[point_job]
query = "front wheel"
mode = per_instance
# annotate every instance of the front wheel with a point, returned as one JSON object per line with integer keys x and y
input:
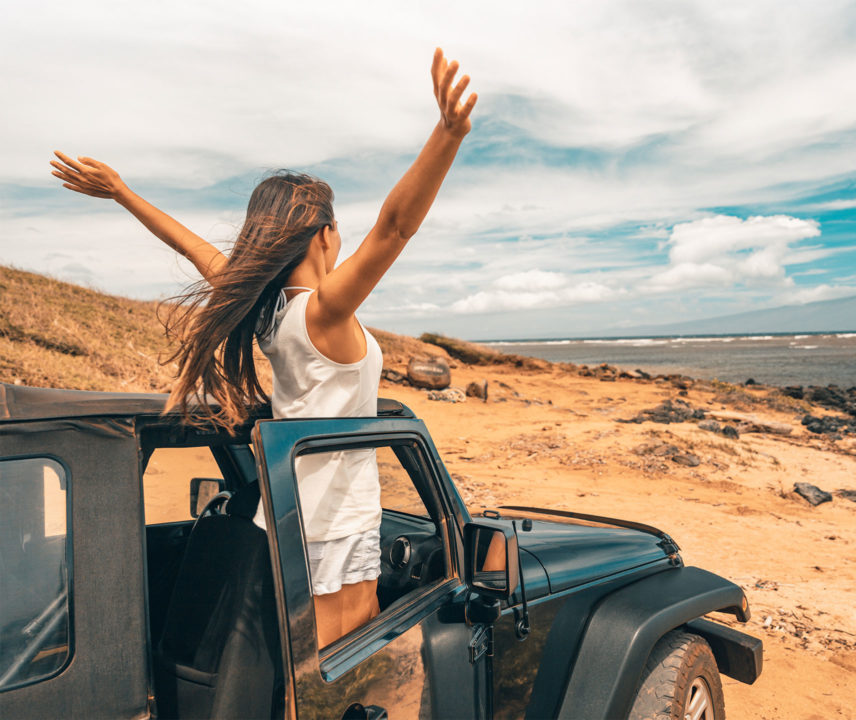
{"x": 680, "y": 681}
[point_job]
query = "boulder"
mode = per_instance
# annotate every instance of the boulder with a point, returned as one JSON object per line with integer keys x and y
{"x": 827, "y": 425}
{"x": 731, "y": 433}
{"x": 812, "y": 493}
{"x": 657, "y": 449}
{"x": 394, "y": 376}
{"x": 689, "y": 460}
{"x": 710, "y": 426}
{"x": 477, "y": 390}
{"x": 668, "y": 412}
{"x": 748, "y": 423}
{"x": 847, "y": 494}
{"x": 429, "y": 372}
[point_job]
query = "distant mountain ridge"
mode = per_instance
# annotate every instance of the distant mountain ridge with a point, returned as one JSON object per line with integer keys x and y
{"x": 823, "y": 316}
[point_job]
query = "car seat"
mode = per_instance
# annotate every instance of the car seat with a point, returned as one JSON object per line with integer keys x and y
{"x": 219, "y": 656}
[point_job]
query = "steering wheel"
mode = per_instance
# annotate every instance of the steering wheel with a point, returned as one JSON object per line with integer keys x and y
{"x": 214, "y": 506}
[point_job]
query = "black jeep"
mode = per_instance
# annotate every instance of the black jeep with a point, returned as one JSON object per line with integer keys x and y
{"x": 134, "y": 583}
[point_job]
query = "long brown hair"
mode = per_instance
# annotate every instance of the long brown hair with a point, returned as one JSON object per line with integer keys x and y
{"x": 215, "y": 324}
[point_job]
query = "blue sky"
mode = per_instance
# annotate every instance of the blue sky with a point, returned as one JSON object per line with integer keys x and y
{"x": 630, "y": 163}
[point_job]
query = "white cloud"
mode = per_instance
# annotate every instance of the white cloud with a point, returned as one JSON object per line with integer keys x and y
{"x": 714, "y": 237}
{"x": 817, "y": 293}
{"x": 833, "y": 205}
{"x": 684, "y": 276}
{"x": 531, "y": 280}
{"x": 504, "y": 300}
{"x": 724, "y": 251}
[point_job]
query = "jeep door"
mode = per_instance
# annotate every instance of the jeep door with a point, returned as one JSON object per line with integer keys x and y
{"x": 414, "y": 659}
{"x": 72, "y": 601}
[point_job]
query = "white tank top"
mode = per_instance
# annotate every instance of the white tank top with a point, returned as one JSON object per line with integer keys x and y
{"x": 339, "y": 492}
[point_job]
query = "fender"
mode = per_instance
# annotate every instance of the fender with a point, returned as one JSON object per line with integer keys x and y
{"x": 626, "y": 625}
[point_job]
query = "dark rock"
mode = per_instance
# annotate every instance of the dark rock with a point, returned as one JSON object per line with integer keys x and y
{"x": 710, "y": 426}
{"x": 812, "y": 493}
{"x": 698, "y": 414}
{"x": 833, "y": 397}
{"x": 689, "y": 460}
{"x": 730, "y": 432}
{"x": 642, "y": 374}
{"x": 668, "y": 412}
{"x": 394, "y": 376}
{"x": 750, "y": 381}
{"x": 432, "y": 373}
{"x": 477, "y": 390}
{"x": 657, "y": 450}
{"x": 832, "y": 426}
{"x": 794, "y": 391}
{"x": 847, "y": 494}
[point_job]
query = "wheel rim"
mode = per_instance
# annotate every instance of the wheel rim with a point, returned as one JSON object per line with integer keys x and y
{"x": 699, "y": 702}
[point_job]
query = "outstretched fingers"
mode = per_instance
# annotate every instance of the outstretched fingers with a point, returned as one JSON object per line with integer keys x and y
{"x": 64, "y": 173}
{"x": 446, "y": 82}
{"x": 437, "y": 69}
{"x": 68, "y": 161}
{"x": 468, "y": 106}
{"x": 455, "y": 95}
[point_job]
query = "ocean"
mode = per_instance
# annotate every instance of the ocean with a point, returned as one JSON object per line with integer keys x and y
{"x": 807, "y": 359}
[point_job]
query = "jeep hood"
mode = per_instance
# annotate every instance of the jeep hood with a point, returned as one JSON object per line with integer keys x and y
{"x": 573, "y": 552}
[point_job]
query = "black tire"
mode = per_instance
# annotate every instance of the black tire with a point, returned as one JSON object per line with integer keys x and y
{"x": 680, "y": 678}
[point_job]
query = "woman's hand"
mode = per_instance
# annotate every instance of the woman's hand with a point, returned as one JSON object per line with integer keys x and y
{"x": 88, "y": 176}
{"x": 455, "y": 117}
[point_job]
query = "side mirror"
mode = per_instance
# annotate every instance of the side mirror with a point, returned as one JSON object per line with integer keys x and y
{"x": 201, "y": 491}
{"x": 491, "y": 565}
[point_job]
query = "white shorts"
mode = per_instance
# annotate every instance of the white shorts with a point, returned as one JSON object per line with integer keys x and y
{"x": 344, "y": 561}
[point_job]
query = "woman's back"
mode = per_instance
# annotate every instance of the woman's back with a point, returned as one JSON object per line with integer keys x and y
{"x": 306, "y": 383}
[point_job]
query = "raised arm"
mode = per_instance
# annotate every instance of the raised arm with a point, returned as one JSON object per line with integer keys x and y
{"x": 344, "y": 289}
{"x": 90, "y": 177}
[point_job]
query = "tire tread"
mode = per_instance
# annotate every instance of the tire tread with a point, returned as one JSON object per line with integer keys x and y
{"x": 667, "y": 675}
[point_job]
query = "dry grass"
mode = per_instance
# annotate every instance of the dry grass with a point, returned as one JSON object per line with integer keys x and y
{"x": 475, "y": 354}
{"x": 398, "y": 349}
{"x": 54, "y": 334}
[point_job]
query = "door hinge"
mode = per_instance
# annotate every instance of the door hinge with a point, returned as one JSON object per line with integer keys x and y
{"x": 481, "y": 643}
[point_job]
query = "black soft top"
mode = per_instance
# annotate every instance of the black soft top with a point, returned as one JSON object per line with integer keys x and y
{"x": 20, "y": 402}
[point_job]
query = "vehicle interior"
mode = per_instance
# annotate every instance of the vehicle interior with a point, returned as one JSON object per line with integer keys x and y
{"x": 212, "y": 609}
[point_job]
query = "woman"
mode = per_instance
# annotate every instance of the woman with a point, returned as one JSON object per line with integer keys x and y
{"x": 281, "y": 285}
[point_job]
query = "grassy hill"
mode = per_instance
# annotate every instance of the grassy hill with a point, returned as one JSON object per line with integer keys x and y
{"x": 55, "y": 334}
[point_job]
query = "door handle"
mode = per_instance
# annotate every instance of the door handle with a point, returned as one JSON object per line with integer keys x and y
{"x": 365, "y": 712}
